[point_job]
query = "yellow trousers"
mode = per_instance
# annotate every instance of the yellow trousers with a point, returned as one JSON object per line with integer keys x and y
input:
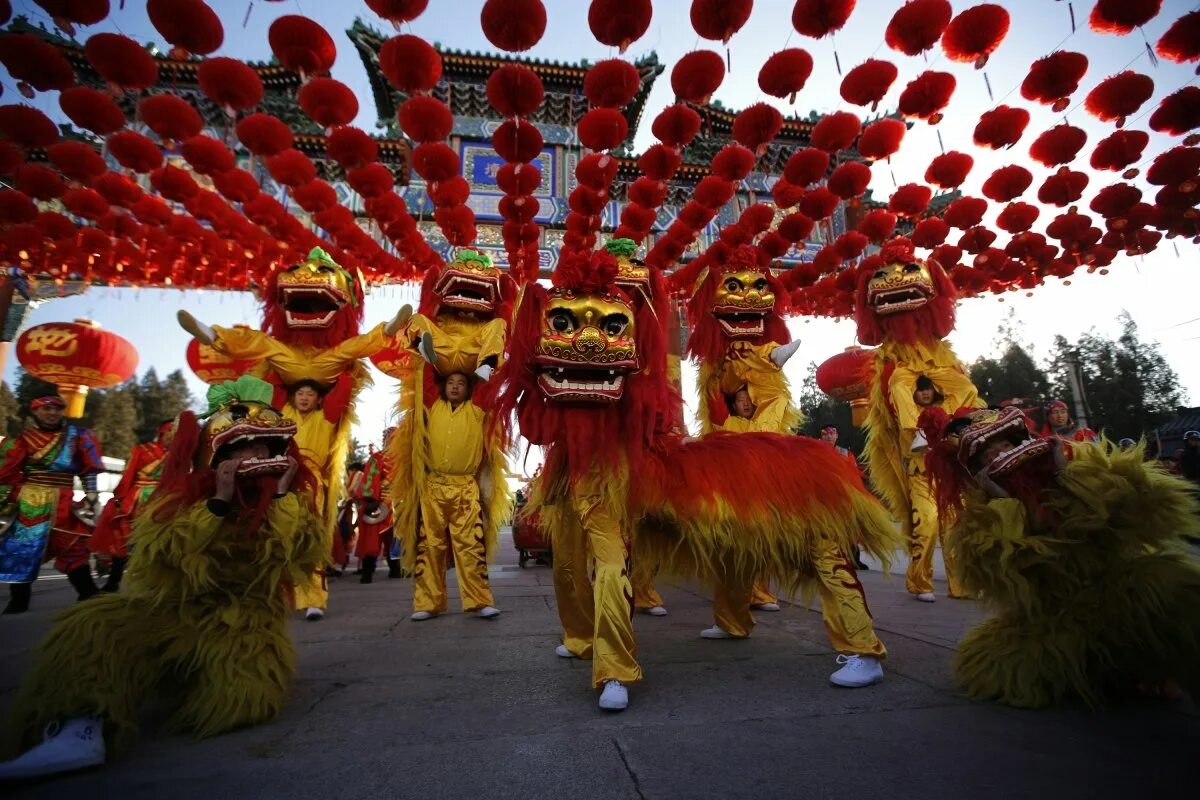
{"x": 451, "y": 520}
{"x": 460, "y": 342}
{"x": 645, "y": 595}
{"x": 597, "y": 612}
{"x": 314, "y": 592}
{"x": 731, "y": 605}
{"x": 843, "y": 605}
{"x": 926, "y": 533}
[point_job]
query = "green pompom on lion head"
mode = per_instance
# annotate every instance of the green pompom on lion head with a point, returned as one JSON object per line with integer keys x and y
{"x": 621, "y": 247}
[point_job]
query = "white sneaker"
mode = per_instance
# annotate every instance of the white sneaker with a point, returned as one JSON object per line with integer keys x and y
{"x": 314, "y": 614}
{"x": 766, "y": 607}
{"x": 422, "y": 615}
{"x": 425, "y": 348}
{"x": 857, "y": 671}
{"x": 562, "y": 652}
{"x": 76, "y": 744}
{"x": 716, "y": 632}
{"x": 655, "y": 611}
{"x": 615, "y": 697}
{"x": 926, "y": 597}
{"x": 484, "y": 372}
{"x": 783, "y": 352}
{"x": 487, "y": 612}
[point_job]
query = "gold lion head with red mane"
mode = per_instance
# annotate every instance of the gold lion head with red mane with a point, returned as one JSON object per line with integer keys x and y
{"x": 316, "y": 302}
{"x": 737, "y": 300}
{"x": 242, "y": 423}
{"x": 470, "y": 284}
{"x": 902, "y": 298}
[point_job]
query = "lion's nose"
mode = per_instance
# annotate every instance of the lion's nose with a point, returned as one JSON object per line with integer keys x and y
{"x": 589, "y": 340}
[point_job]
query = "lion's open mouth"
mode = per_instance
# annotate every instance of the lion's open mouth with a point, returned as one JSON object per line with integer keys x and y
{"x": 741, "y": 324}
{"x": 901, "y": 298}
{"x": 582, "y": 384}
{"x": 467, "y": 292}
{"x": 310, "y": 306}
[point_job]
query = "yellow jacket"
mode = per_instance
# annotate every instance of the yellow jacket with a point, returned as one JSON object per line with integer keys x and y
{"x": 455, "y": 438}
{"x": 293, "y": 363}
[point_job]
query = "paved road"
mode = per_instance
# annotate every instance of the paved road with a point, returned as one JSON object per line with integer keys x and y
{"x": 468, "y": 709}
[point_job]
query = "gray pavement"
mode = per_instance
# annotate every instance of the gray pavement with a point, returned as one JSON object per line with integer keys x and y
{"x": 458, "y": 707}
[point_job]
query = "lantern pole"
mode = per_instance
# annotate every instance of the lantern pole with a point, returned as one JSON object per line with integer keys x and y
{"x": 75, "y": 396}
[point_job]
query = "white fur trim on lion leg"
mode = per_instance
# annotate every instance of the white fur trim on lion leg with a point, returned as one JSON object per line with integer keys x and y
{"x": 781, "y": 354}
{"x": 199, "y": 331}
{"x": 76, "y": 744}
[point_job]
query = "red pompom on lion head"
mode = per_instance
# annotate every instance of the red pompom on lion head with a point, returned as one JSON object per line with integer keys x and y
{"x": 901, "y": 298}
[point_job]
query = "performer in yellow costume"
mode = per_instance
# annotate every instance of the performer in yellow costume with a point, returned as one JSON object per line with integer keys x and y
{"x": 312, "y": 313}
{"x": 1079, "y": 551}
{"x": 906, "y": 306}
{"x": 459, "y": 335}
{"x": 451, "y": 513}
{"x": 741, "y": 342}
{"x": 586, "y": 377}
{"x": 203, "y": 608}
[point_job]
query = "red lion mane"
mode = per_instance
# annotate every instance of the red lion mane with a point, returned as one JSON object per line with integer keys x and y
{"x": 934, "y": 320}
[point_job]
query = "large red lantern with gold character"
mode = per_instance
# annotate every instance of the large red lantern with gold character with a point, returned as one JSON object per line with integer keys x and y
{"x": 75, "y": 357}
{"x": 213, "y": 367}
{"x": 845, "y": 377}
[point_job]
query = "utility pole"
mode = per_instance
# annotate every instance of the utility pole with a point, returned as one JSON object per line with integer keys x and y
{"x": 1075, "y": 381}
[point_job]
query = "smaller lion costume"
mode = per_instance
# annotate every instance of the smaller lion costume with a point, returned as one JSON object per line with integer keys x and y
{"x": 205, "y": 604}
{"x": 1082, "y": 562}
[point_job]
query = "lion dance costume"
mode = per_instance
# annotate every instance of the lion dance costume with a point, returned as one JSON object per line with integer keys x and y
{"x": 372, "y": 491}
{"x": 312, "y": 311}
{"x": 204, "y": 608}
{"x": 142, "y": 471}
{"x": 741, "y": 343}
{"x": 1081, "y": 560}
{"x": 449, "y": 490}
{"x": 906, "y": 307}
{"x": 586, "y": 378}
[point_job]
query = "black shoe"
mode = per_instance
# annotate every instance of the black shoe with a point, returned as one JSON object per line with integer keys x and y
{"x": 861, "y": 565}
{"x": 394, "y": 570}
{"x": 81, "y": 579}
{"x": 368, "y": 569}
{"x": 18, "y": 598}
{"x": 113, "y": 584}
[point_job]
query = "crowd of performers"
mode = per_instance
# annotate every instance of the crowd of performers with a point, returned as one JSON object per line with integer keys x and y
{"x": 228, "y": 521}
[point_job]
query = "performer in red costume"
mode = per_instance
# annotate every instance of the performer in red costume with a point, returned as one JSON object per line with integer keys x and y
{"x": 141, "y": 475}
{"x": 373, "y": 493}
{"x": 38, "y": 468}
{"x": 1060, "y": 424}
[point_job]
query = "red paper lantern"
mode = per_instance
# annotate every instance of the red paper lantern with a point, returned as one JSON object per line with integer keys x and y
{"x": 676, "y": 125}
{"x": 11, "y": 158}
{"x": 171, "y": 117}
{"x": 1119, "y": 149}
{"x": 659, "y": 162}
{"x": 756, "y": 125}
{"x": 611, "y": 83}
{"x": 515, "y": 90}
{"x": 16, "y": 207}
{"x": 1001, "y": 126}
{"x": 436, "y": 162}
{"x": 836, "y": 131}
{"x": 917, "y": 25}
{"x": 173, "y": 183}
{"x": 1054, "y": 78}
{"x": 1181, "y": 42}
{"x": 926, "y": 95}
{"x": 315, "y": 196}
{"x": 76, "y": 356}
{"x": 1178, "y": 113}
{"x": 519, "y": 179}
{"x": 121, "y": 61}
{"x": 351, "y": 147}
{"x": 1063, "y": 188}
{"x": 134, "y": 151}
{"x": 92, "y": 109}
{"x": 1176, "y": 166}
{"x": 696, "y": 75}
{"x": 212, "y": 366}
{"x": 371, "y": 180}
{"x": 1122, "y": 16}
{"x": 713, "y": 193}
{"x": 410, "y": 63}
{"x": 845, "y": 377}
{"x": 27, "y": 127}
{"x": 975, "y": 33}
{"x": 291, "y": 168}
{"x": 1058, "y": 145}
{"x": 910, "y": 200}
{"x": 881, "y": 138}
{"x": 77, "y": 161}
{"x": 190, "y": 25}
{"x": 239, "y": 186}
{"x": 328, "y": 102}
{"x": 1118, "y": 96}
{"x": 877, "y": 225}
{"x": 733, "y": 162}
{"x": 207, "y": 156}
{"x": 35, "y": 62}
{"x": 40, "y": 183}
{"x": 118, "y": 189}
{"x": 930, "y": 232}
{"x": 866, "y": 84}
{"x": 785, "y": 73}
{"x": 1116, "y": 200}
{"x": 849, "y": 180}
{"x": 817, "y": 18}
{"x": 965, "y": 212}
{"x": 806, "y": 167}
{"x": 517, "y": 141}
{"x": 229, "y": 83}
{"x": 619, "y": 23}
{"x": 264, "y": 135}
{"x": 600, "y": 129}
{"x": 513, "y": 25}
{"x": 453, "y": 192}
{"x": 720, "y": 19}
{"x": 1007, "y": 183}
{"x": 301, "y": 45}
{"x": 818, "y": 203}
